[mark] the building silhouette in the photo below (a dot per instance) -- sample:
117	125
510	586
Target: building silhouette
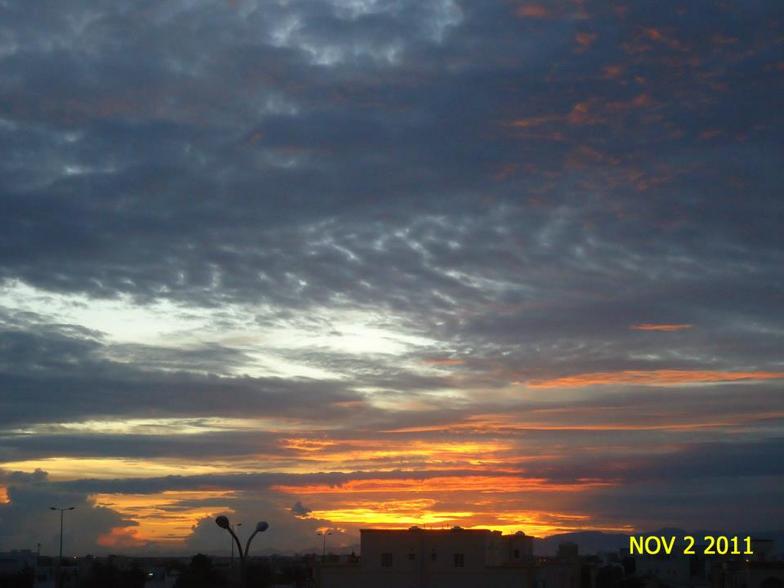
428	558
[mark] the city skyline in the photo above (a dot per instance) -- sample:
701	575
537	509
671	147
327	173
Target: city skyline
354	263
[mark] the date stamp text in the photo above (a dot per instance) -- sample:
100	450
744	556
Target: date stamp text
688	545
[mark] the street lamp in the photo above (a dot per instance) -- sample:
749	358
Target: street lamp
261	526
234	526
223	522
324	546
60	560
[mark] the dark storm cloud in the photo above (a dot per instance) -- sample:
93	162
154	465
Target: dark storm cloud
241	482
26	517
300	510
714	462
230	444
364	141
689	462
739	503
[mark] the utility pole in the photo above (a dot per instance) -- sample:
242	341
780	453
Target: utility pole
59	576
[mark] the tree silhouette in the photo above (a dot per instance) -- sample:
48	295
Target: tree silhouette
107	574
200	574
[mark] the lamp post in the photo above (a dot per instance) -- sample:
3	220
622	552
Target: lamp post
223	522
234	526
60	559
324	544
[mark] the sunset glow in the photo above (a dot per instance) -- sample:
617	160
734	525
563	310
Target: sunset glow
662	327
162	517
654	378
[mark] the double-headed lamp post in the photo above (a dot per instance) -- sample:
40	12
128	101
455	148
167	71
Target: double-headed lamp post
223	522
60	559
234	526
324	544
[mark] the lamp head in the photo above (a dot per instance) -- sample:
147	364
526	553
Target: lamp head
262	526
222	522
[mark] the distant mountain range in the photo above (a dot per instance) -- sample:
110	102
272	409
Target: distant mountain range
588	542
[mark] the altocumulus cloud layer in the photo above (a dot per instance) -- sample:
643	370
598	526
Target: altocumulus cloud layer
356	263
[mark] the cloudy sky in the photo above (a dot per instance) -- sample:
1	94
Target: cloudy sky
356	263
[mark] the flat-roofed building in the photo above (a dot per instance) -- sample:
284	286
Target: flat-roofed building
430	558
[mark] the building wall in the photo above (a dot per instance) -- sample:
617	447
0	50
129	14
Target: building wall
673	570
753	574
418	558
421	551
558	575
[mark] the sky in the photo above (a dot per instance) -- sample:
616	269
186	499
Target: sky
359	263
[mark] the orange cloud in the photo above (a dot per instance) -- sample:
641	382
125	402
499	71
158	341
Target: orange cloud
590	111
542	523
663	327
659	36
306	445
441	484
426	452
390	513
532	11
639	101
161	517
583	155
579	114
121	537
534	121
490	514
71	468
654	378
4	499
585	40
450	360
510	423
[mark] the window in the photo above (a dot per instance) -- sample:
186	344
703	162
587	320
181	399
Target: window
517	554
433	556
386	560
412	556
459	560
